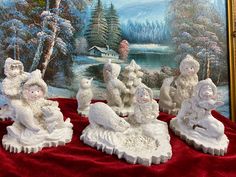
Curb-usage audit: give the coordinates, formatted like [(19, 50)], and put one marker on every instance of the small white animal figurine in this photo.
[(84, 96), (39, 122), (114, 86), (11, 85), (140, 138), (101, 114), (171, 98), (195, 122)]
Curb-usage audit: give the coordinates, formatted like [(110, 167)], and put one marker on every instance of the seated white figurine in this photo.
[(196, 125), (39, 122), (84, 96), (139, 139), (11, 85), (171, 98)]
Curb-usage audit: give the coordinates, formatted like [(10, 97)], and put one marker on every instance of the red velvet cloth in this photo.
[(78, 159)]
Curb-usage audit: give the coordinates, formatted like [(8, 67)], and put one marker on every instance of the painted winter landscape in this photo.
[(68, 40)]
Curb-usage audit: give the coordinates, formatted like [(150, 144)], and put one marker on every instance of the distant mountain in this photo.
[(151, 11)]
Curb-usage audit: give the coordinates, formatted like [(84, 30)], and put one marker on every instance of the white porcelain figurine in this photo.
[(84, 96), (132, 78), (171, 97), (12, 84), (114, 86), (140, 138), (195, 124), (39, 122)]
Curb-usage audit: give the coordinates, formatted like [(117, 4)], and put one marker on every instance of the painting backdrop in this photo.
[(83, 34)]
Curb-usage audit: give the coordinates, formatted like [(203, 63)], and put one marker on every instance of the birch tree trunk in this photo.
[(49, 44), (39, 50), (208, 70)]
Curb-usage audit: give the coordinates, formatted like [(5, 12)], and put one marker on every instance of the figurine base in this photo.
[(58, 137), (132, 145), (206, 144)]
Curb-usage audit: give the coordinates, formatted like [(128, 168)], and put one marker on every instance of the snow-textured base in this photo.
[(207, 145), (132, 145), (56, 138)]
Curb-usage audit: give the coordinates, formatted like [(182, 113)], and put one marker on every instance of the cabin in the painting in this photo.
[(103, 52)]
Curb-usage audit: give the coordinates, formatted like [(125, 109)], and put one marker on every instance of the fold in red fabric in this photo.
[(78, 159)]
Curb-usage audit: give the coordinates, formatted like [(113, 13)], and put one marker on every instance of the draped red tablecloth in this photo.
[(78, 159)]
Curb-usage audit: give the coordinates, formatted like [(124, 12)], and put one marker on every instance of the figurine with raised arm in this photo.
[(184, 84), (84, 96), (11, 85), (114, 86), (196, 125), (140, 138), (39, 122)]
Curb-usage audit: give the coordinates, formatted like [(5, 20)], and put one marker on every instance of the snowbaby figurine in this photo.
[(187, 79), (145, 108), (172, 97), (11, 85), (15, 76), (196, 111), (195, 121), (146, 111), (114, 86), (39, 122), (140, 138), (84, 96)]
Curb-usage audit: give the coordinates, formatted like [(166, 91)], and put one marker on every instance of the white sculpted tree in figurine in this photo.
[(185, 82), (132, 79), (114, 86), (39, 122), (139, 139), (11, 85), (84, 96), (196, 125)]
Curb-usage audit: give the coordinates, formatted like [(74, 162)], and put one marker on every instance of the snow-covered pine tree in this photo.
[(132, 78), (113, 26), (15, 32), (96, 33)]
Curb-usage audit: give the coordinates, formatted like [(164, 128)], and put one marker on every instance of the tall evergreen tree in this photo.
[(97, 29), (114, 31)]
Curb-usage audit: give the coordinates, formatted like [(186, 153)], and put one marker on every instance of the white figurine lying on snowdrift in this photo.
[(140, 139), (195, 124), (39, 122)]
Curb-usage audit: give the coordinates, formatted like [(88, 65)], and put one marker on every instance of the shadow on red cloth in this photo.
[(77, 159)]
